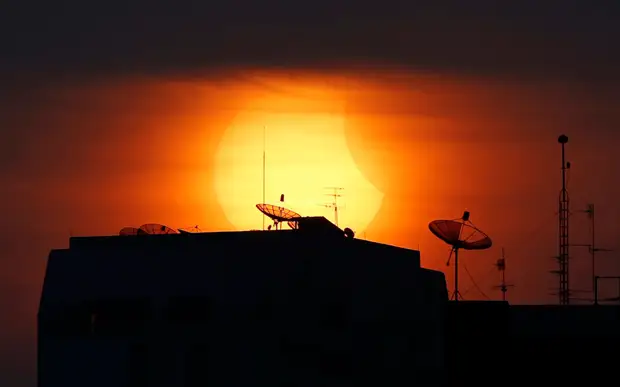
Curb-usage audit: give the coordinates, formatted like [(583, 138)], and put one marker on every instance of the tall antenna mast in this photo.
[(334, 203), (563, 244), (264, 141), (501, 266)]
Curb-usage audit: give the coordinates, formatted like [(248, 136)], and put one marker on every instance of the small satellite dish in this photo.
[(190, 230), (349, 233), (279, 214), (130, 231), (157, 229), (459, 234)]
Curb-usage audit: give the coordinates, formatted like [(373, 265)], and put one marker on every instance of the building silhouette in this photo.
[(257, 308), (302, 307)]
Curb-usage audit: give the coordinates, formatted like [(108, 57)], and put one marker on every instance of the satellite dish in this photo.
[(157, 229), (130, 231), (278, 214), (190, 230), (459, 234), (349, 233)]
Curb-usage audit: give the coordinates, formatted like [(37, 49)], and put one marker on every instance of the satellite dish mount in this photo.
[(459, 234), (279, 215)]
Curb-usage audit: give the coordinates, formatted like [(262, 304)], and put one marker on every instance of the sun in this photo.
[(306, 156)]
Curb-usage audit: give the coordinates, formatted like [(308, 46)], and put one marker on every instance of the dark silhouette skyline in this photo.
[(109, 115), (291, 307)]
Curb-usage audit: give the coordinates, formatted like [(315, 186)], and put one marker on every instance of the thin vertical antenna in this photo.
[(264, 142), (336, 208), (501, 266), (503, 277), (590, 211)]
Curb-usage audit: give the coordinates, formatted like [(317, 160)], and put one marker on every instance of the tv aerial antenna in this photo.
[(334, 203), (279, 215), (459, 234), (592, 246), (501, 266)]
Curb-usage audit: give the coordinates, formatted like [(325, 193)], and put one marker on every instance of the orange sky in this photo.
[(90, 158)]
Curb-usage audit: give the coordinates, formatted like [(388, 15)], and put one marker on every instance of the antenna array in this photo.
[(334, 203), (592, 246), (563, 243)]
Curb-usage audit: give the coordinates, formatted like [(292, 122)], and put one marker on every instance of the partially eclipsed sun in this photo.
[(305, 153)]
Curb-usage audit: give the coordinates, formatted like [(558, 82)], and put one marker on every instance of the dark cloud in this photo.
[(529, 38)]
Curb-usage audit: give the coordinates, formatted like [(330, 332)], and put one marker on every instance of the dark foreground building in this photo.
[(305, 307)]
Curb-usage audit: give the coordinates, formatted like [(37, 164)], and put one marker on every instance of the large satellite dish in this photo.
[(459, 234), (157, 229), (279, 215), (130, 231)]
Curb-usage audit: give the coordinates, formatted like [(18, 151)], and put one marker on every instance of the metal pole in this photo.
[(336, 206), (264, 173), (563, 256), (503, 282), (591, 210), (595, 290), (456, 275)]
